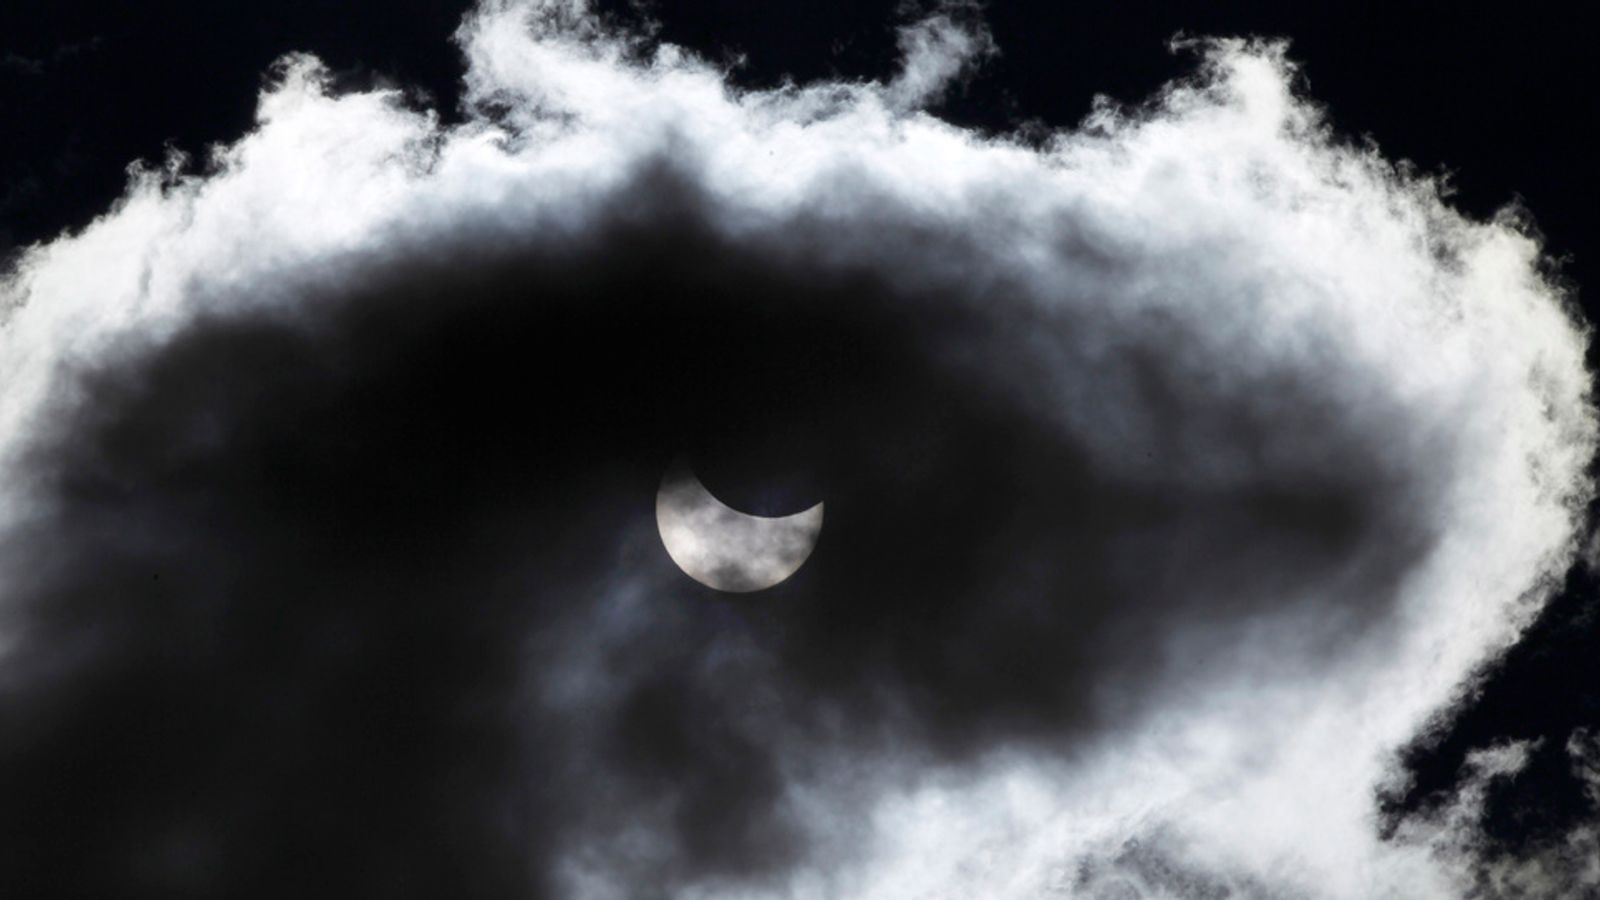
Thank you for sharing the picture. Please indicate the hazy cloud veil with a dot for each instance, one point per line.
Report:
(1179, 466)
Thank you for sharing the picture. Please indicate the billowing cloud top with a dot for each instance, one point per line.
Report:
(1178, 467)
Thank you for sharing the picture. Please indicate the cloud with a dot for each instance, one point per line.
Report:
(935, 51)
(1178, 467)
(1562, 867)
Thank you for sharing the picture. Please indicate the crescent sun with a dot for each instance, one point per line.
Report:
(726, 549)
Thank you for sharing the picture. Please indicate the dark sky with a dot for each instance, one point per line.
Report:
(90, 86)
(1500, 97)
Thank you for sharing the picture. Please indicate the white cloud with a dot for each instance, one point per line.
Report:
(1223, 222)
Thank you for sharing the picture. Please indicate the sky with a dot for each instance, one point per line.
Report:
(1201, 403)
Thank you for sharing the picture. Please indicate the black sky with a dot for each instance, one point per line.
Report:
(88, 87)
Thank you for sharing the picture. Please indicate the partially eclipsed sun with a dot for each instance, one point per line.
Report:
(726, 549)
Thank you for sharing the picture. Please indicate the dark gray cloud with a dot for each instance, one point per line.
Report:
(330, 551)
